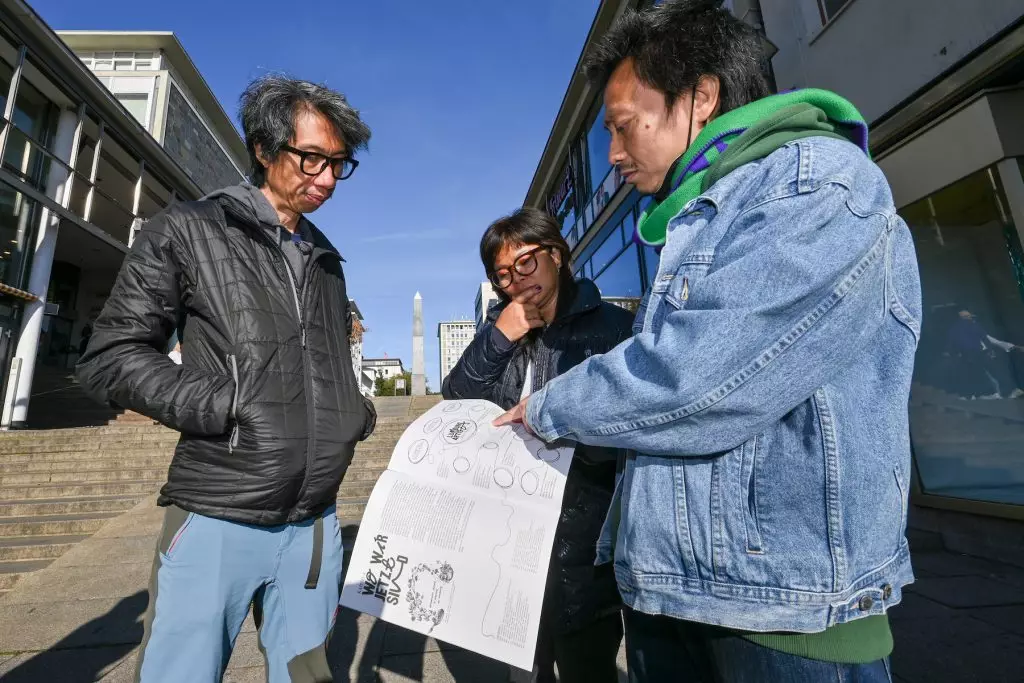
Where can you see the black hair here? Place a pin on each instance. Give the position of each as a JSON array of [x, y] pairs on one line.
[[268, 109], [525, 226], [675, 43]]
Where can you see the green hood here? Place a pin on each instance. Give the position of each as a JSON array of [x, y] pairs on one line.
[[747, 134]]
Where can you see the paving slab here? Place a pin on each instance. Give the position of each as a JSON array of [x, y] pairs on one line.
[[968, 591], [990, 660], [71, 624], [1009, 618], [82, 665], [57, 584], [443, 667], [123, 672], [101, 552], [947, 564]]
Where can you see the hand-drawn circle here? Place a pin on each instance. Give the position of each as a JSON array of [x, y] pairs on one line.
[[432, 425], [452, 407], [548, 454], [458, 431], [477, 407], [504, 478], [461, 464], [530, 482], [418, 451]]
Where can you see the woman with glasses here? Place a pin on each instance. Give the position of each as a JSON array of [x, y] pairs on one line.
[[548, 322]]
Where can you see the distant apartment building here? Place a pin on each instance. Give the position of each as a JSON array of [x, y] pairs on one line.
[[452, 339]]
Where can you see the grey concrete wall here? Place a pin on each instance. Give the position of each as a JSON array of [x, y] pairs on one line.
[[187, 139], [877, 53]]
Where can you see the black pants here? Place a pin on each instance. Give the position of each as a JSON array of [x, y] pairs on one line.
[[584, 656], [665, 650]]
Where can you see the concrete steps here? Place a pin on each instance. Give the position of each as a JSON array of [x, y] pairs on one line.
[[37, 547], [68, 505], [54, 525], [139, 489], [59, 486]]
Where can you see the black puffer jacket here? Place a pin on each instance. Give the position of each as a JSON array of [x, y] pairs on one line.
[[265, 398], [494, 368]]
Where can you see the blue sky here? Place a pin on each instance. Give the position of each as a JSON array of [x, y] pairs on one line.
[[460, 96]]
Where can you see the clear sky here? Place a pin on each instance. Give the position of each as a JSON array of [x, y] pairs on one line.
[[460, 96]]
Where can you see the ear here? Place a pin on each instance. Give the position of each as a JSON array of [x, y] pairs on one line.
[[707, 98], [259, 155], [556, 256]]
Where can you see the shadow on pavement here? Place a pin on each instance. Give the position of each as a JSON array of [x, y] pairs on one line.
[[86, 652]]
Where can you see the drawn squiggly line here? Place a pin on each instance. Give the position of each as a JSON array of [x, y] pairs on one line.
[[497, 585]]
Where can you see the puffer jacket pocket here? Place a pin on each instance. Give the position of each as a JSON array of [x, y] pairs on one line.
[[233, 440]]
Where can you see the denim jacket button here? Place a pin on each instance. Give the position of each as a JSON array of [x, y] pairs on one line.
[[886, 592], [866, 603]]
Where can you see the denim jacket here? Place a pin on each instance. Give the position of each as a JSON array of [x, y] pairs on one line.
[[765, 397]]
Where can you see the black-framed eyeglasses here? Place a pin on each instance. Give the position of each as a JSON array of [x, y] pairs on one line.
[[314, 163], [525, 264]]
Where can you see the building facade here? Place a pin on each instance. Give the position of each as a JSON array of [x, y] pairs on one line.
[[153, 77], [385, 368], [80, 174], [945, 102], [364, 379], [453, 337], [486, 299]]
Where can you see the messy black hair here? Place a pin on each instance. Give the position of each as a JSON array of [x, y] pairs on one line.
[[675, 43], [269, 106], [525, 226]]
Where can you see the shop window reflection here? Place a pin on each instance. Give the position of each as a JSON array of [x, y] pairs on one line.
[[967, 399]]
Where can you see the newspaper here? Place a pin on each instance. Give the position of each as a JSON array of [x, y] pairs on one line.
[[457, 534]]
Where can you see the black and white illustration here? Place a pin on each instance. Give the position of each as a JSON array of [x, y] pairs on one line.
[[476, 506]]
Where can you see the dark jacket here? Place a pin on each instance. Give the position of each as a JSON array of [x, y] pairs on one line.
[[265, 399], [494, 368]]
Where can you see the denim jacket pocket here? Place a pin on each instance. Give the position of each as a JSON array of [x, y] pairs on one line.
[[678, 285], [749, 488]]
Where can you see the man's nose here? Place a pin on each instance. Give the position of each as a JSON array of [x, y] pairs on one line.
[[616, 153], [326, 180]]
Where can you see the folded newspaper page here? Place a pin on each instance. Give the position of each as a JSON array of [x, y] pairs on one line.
[[457, 534]]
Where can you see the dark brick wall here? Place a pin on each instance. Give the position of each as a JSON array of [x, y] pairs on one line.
[[188, 141]]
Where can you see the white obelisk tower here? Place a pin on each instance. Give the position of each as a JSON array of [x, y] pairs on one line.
[[419, 379]]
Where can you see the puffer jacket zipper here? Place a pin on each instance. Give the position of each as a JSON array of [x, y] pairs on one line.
[[307, 370], [307, 375]]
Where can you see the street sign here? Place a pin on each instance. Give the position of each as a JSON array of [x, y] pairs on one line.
[[400, 385]]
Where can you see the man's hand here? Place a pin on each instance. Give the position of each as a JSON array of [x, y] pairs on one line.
[[515, 416], [518, 318]]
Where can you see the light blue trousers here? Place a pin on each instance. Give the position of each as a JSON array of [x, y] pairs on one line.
[[209, 571]]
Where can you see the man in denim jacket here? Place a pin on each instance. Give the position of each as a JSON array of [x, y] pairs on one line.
[[759, 530]]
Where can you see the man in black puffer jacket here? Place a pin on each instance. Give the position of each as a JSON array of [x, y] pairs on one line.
[[265, 397]]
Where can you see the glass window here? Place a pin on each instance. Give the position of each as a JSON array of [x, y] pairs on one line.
[[18, 217], [34, 123], [137, 105], [628, 227], [608, 250], [829, 8], [622, 277], [598, 143], [967, 397]]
